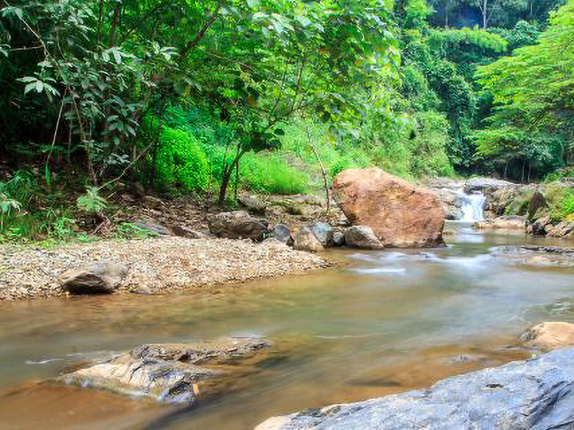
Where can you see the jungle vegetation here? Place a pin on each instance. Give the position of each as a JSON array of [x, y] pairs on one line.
[[211, 97]]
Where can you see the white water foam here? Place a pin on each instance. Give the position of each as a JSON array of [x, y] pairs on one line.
[[472, 207]]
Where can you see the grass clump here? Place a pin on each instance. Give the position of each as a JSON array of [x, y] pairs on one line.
[[180, 163]]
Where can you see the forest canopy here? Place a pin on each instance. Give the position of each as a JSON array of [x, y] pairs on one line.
[[191, 96]]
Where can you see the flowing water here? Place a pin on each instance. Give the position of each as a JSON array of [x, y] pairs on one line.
[[382, 322], [472, 206]]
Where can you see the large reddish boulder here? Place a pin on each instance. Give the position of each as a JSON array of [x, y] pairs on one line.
[[400, 214]]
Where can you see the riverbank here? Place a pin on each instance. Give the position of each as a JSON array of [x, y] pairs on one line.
[[155, 265]]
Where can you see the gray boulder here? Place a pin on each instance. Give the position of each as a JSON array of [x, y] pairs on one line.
[[282, 233], [536, 394], [98, 278], [168, 373], [323, 232], [361, 236], [184, 231], [338, 238], [305, 240], [451, 202], [486, 184], [157, 229], [253, 204], [238, 225]]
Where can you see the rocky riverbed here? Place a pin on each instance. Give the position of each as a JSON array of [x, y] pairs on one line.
[[154, 265]]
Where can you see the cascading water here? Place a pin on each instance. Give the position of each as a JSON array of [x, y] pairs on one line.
[[472, 207]]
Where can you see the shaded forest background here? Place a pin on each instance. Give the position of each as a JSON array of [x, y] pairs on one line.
[[217, 96]]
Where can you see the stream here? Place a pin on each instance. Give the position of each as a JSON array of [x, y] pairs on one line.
[[381, 322]]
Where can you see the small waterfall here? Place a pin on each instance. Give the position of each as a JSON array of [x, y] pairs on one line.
[[472, 207]]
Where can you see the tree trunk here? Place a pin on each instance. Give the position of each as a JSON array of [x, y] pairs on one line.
[[115, 23], [227, 172], [523, 168], [484, 13]]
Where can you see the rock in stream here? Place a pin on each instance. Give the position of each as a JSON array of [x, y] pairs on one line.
[[169, 373], [535, 394]]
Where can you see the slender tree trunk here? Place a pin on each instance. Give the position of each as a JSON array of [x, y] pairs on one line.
[[100, 21], [484, 13], [115, 23], [227, 172], [325, 182], [523, 168]]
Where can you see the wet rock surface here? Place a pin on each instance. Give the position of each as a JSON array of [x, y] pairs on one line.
[[168, 373], [535, 394], [400, 214]]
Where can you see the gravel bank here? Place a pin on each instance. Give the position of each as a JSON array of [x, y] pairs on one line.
[[157, 264]]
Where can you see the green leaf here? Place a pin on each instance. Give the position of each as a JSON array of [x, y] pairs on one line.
[[303, 20], [253, 3], [29, 87]]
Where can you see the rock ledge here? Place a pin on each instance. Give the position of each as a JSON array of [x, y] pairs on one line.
[[535, 394]]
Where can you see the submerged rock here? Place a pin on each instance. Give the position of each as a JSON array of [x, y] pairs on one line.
[[169, 373], [98, 278], [305, 240], [532, 255], [400, 214], [550, 335], [534, 394], [238, 225], [361, 236]]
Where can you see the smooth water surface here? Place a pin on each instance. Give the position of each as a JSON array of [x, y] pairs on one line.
[[382, 322]]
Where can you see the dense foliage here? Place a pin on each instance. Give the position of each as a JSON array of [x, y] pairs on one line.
[[531, 130], [195, 97]]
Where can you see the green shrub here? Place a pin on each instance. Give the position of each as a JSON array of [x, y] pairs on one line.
[[268, 172], [563, 206], [180, 162]]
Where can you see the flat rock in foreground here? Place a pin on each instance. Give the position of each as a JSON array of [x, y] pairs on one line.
[[536, 394], [400, 214], [170, 373]]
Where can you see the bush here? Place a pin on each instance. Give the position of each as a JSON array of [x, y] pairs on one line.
[[180, 163], [270, 173], [564, 206]]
